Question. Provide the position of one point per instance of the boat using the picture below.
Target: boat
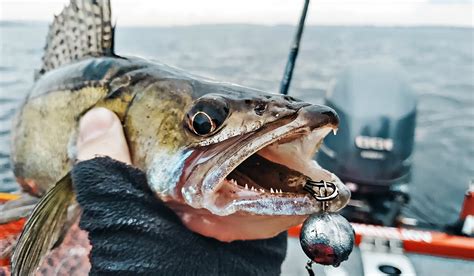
(371, 154)
(399, 250)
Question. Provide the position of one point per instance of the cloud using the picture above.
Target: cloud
(451, 2)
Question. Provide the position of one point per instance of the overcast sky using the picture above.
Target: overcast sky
(325, 12)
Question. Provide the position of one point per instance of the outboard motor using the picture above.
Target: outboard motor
(372, 151)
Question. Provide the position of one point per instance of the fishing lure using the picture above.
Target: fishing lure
(326, 238)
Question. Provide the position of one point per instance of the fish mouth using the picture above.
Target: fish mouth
(264, 173)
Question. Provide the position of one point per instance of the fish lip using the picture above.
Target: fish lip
(303, 122)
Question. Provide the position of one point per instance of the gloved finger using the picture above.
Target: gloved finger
(101, 134)
(106, 188)
(134, 233)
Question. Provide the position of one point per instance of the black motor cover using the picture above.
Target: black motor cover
(372, 150)
(377, 111)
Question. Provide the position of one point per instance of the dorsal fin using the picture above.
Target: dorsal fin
(82, 29)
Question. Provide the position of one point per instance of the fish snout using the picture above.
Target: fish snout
(317, 116)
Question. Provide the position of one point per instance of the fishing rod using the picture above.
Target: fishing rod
(290, 65)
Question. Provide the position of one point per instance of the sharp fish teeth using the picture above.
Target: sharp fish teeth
(262, 190)
(246, 187)
(253, 189)
(271, 190)
(334, 131)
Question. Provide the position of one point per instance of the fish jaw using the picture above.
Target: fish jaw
(214, 204)
(237, 226)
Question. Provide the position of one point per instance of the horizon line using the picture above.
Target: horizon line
(117, 23)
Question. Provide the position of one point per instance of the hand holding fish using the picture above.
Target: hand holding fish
(133, 232)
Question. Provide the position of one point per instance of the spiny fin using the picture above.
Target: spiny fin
(42, 228)
(83, 29)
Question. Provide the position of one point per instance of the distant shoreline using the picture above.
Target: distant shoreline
(16, 23)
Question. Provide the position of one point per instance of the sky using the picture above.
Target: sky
(268, 12)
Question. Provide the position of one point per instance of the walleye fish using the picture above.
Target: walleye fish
(231, 161)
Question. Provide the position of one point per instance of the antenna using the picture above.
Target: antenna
(285, 82)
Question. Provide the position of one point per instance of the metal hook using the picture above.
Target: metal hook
(312, 185)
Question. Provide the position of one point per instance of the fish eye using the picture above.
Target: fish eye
(207, 115)
(202, 123)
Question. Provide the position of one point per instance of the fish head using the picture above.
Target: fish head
(243, 160)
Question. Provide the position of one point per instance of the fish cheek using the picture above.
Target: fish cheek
(154, 129)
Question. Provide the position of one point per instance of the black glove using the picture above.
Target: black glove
(134, 233)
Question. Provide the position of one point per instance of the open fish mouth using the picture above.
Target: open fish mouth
(264, 173)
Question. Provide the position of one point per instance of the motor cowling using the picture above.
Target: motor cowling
(375, 140)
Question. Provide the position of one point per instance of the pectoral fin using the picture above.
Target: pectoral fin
(43, 228)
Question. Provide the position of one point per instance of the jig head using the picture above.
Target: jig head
(326, 238)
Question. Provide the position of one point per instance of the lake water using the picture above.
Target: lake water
(438, 61)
